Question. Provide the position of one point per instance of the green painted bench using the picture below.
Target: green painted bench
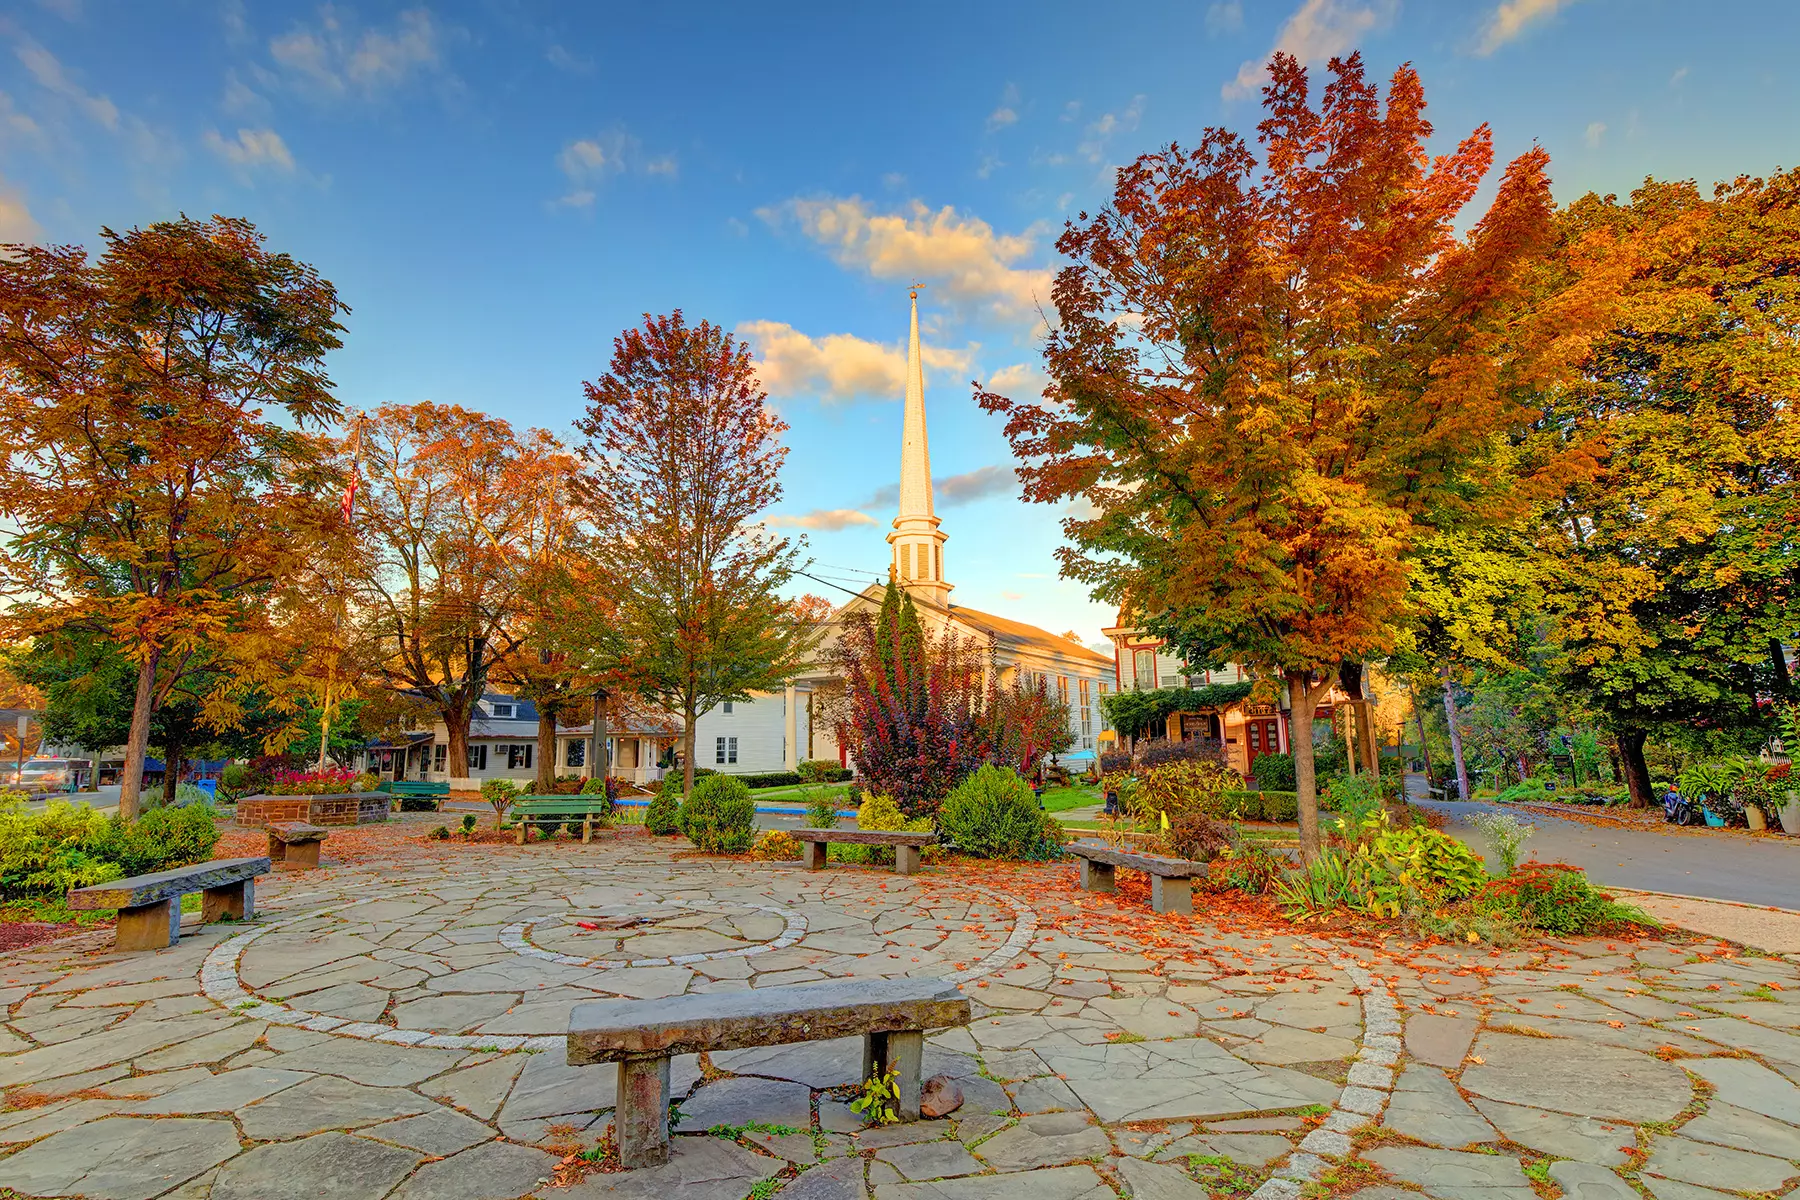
(410, 787)
(558, 810)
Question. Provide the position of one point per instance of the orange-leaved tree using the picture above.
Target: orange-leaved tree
(160, 481)
(1270, 372)
(447, 506)
(684, 453)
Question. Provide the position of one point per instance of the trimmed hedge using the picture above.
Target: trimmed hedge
(419, 803)
(769, 779)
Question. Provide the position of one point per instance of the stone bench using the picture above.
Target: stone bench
(296, 843)
(906, 845)
(641, 1036)
(1171, 879)
(150, 905)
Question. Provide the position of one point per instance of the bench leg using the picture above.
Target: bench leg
(277, 849)
(815, 855)
(902, 1052)
(906, 860)
(524, 826)
(641, 1118)
(1096, 876)
(234, 900)
(587, 829)
(304, 855)
(1171, 895)
(149, 926)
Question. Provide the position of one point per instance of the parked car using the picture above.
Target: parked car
(40, 776)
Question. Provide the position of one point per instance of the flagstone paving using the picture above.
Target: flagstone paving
(393, 1031)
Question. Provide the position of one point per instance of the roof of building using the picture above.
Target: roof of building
(1022, 634)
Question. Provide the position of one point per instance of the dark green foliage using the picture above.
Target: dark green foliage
(1133, 712)
(1274, 772)
(992, 814)
(720, 817)
(160, 839)
(419, 803)
(1555, 898)
(662, 816)
(767, 779)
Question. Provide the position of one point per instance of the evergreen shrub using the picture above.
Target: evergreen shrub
(720, 816)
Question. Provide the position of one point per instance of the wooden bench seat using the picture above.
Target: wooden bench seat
(641, 1036)
(295, 843)
(558, 810)
(1171, 879)
(906, 845)
(409, 787)
(150, 905)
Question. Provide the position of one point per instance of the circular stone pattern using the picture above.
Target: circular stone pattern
(675, 934)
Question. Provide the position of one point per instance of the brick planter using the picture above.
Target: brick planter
(342, 808)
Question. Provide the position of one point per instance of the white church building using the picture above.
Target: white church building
(775, 731)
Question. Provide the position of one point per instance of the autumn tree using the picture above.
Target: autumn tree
(159, 474)
(1673, 571)
(1270, 375)
(683, 454)
(446, 509)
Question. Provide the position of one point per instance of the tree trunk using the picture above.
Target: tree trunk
(687, 749)
(598, 767)
(1784, 680)
(172, 761)
(1462, 770)
(546, 752)
(1424, 748)
(1300, 738)
(1365, 738)
(1637, 771)
(456, 724)
(131, 781)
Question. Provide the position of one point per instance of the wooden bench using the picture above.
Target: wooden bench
(295, 843)
(150, 905)
(409, 787)
(1171, 879)
(641, 1036)
(906, 845)
(559, 810)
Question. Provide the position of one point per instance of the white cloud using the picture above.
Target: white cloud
(1224, 18)
(15, 124)
(240, 97)
(1595, 131)
(587, 162)
(1008, 112)
(563, 59)
(829, 519)
(979, 484)
(1019, 379)
(661, 166)
(1512, 18)
(839, 366)
(48, 71)
(251, 148)
(1318, 31)
(16, 224)
(332, 58)
(1100, 133)
(960, 255)
(1680, 74)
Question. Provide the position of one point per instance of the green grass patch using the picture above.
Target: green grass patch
(1061, 799)
(56, 911)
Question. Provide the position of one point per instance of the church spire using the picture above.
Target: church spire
(918, 563)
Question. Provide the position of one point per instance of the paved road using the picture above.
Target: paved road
(1720, 868)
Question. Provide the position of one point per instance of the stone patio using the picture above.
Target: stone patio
(395, 1031)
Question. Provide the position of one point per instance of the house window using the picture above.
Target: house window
(1062, 689)
(439, 754)
(504, 712)
(518, 757)
(576, 754)
(478, 757)
(1144, 672)
(1104, 724)
(728, 708)
(724, 750)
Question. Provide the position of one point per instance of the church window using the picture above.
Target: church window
(937, 561)
(906, 562)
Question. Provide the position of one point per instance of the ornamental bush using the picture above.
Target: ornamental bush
(160, 839)
(1274, 772)
(719, 817)
(1184, 785)
(48, 852)
(776, 845)
(1555, 898)
(992, 814)
(662, 816)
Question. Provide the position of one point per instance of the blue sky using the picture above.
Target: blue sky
(498, 186)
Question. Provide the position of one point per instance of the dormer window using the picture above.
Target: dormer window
(504, 712)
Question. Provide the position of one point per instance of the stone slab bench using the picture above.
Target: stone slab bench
(296, 843)
(641, 1036)
(1171, 879)
(150, 905)
(906, 845)
(557, 810)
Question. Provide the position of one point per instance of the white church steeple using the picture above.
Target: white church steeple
(918, 562)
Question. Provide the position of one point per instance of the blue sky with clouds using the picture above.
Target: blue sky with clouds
(498, 186)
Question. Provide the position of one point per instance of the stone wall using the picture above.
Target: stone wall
(345, 808)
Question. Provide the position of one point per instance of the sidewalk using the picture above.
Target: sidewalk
(1774, 930)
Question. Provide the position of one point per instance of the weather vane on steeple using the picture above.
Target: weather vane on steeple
(913, 291)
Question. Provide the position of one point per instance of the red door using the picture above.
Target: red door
(1263, 736)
